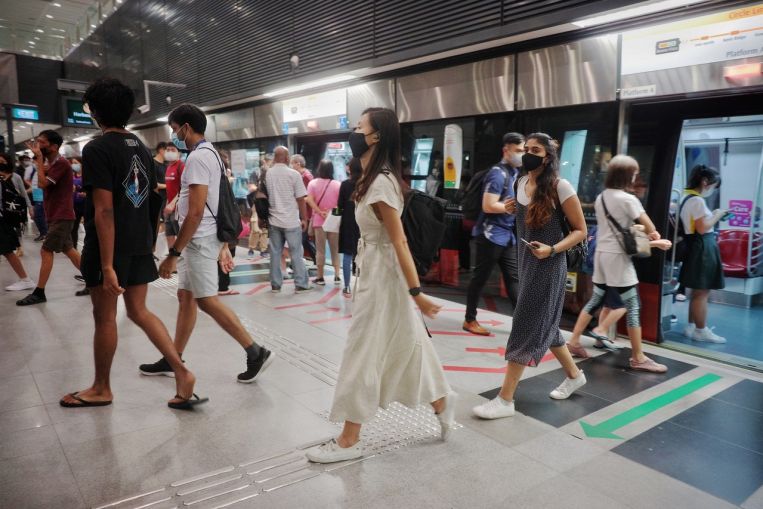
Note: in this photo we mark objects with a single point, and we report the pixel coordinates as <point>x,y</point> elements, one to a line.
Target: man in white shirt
<point>287,220</point>
<point>199,246</point>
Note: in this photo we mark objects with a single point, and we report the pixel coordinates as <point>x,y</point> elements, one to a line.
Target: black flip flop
<point>82,402</point>
<point>187,404</point>
<point>606,343</point>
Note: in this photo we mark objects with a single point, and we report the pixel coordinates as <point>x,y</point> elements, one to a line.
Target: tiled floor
<point>701,451</point>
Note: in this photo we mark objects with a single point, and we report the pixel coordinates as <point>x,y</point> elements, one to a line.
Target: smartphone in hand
<point>531,246</point>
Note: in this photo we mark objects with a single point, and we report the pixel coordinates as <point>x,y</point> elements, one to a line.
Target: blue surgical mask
<point>180,144</point>
<point>77,167</point>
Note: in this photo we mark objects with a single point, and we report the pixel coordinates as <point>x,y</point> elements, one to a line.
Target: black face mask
<point>358,144</point>
<point>531,162</point>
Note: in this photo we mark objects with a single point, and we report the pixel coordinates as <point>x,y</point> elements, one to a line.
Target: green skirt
<point>702,269</point>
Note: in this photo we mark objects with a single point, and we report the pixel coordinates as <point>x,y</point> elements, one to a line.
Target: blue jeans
<point>39,218</point>
<point>347,269</point>
<point>292,236</point>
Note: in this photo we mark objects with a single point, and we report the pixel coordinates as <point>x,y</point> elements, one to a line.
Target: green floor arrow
<point>606,428</point>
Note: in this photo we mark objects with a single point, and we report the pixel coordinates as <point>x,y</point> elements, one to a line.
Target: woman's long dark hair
<point>542,206</point>
<point>702,172</point>
<point>386,153</point>
<point>356,170</point>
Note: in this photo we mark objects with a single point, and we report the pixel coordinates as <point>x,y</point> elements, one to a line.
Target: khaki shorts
<point>197,269</point>
<point>59,238</point>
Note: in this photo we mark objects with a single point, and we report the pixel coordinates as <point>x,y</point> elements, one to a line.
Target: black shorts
<point>131,270</point>
<point>9,240</point>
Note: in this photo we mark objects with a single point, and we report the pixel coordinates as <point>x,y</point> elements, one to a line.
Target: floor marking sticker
<point>605,429</point>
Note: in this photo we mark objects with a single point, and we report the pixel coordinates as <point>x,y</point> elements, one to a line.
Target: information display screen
<point>24,113</point>
<point>75,115</point>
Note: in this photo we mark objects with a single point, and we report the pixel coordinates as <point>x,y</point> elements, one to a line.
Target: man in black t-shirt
<point>119,179</point>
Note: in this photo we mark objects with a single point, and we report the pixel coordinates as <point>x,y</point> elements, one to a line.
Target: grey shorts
<point>59,237</point>
<point>197,269</point>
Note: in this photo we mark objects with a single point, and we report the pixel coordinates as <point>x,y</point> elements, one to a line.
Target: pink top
<point>316,189</point>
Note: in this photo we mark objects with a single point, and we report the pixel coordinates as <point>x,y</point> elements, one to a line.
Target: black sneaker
<point>39,238</point>
<point>30,299</point>
<point>159,368</point>
<point>255,367</point>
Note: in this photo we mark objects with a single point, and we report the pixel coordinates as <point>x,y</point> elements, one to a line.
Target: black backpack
<point>471,204</point>
<point>228,217</point>
<point>424,225</point>
<point>260,199</point>
<point>13,209</point>
<point>676,230</point>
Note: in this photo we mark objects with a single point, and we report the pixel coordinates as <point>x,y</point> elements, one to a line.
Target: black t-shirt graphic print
<point>120,163</point>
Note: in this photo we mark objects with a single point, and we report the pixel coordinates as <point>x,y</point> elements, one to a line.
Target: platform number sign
<point>25,113</point>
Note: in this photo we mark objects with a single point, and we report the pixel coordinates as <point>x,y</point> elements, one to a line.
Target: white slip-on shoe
<point>569,386</point>
<point>447,417</point>
<point>21,284</point>
<point>496,408</point>
<point>330,452</point>
<point>708,336</point>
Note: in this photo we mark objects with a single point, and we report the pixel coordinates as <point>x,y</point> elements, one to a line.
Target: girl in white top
<point>701,270</point>
<point>389,356</point>
<point>613,268</point>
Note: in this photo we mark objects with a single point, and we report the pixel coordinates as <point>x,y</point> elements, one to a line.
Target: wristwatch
<point>553,251</point>
<point>414,291</point>
<point>174,252</point>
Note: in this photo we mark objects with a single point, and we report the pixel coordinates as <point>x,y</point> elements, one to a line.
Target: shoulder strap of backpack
<point>679,222</point>
<point>222,176</point>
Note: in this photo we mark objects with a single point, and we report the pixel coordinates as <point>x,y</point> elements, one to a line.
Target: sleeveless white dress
<point>389,355</point>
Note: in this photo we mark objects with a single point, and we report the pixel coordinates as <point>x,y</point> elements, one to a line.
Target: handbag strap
<point>616,225</point>
<point>323,193</point>
<point>612,220</point>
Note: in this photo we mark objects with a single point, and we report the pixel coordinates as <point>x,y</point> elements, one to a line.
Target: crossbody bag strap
<point>615,224</point>
<point>323,193</point>
<point>612,220</point>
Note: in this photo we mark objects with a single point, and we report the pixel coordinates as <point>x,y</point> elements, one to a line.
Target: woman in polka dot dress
<point>542,272</point>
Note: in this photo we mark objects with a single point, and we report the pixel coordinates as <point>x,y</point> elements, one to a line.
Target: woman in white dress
<point>389,355</point>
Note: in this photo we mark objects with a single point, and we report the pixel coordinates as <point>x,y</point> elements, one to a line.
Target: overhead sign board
<point>718,37</point>
<point>28,113</point>
<point>323,104</point>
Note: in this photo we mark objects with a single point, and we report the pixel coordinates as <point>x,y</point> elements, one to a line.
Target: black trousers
<point>223,279</point>
<point>488,255</point>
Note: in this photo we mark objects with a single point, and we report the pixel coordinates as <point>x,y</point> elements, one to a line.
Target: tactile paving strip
<point>392,428</point>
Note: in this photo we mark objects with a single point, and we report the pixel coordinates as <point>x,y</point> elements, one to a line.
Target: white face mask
<point>708,192</point>
<point>171,156</point>
<point>515,160</point>
<point>77,167</point>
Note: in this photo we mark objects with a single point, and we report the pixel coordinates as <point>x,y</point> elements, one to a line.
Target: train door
<point>332,147</point>
<point>733,146</point>
<point>670,139</point>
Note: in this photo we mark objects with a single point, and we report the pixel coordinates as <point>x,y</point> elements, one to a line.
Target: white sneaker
<point>689,330</point>
<point>707,335</point>
<point>680,297</point>
<point>496,408</point>
<point>569,386</point>
<point>330,452</point>
<point>447,417</point>
<point>22,284</point>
